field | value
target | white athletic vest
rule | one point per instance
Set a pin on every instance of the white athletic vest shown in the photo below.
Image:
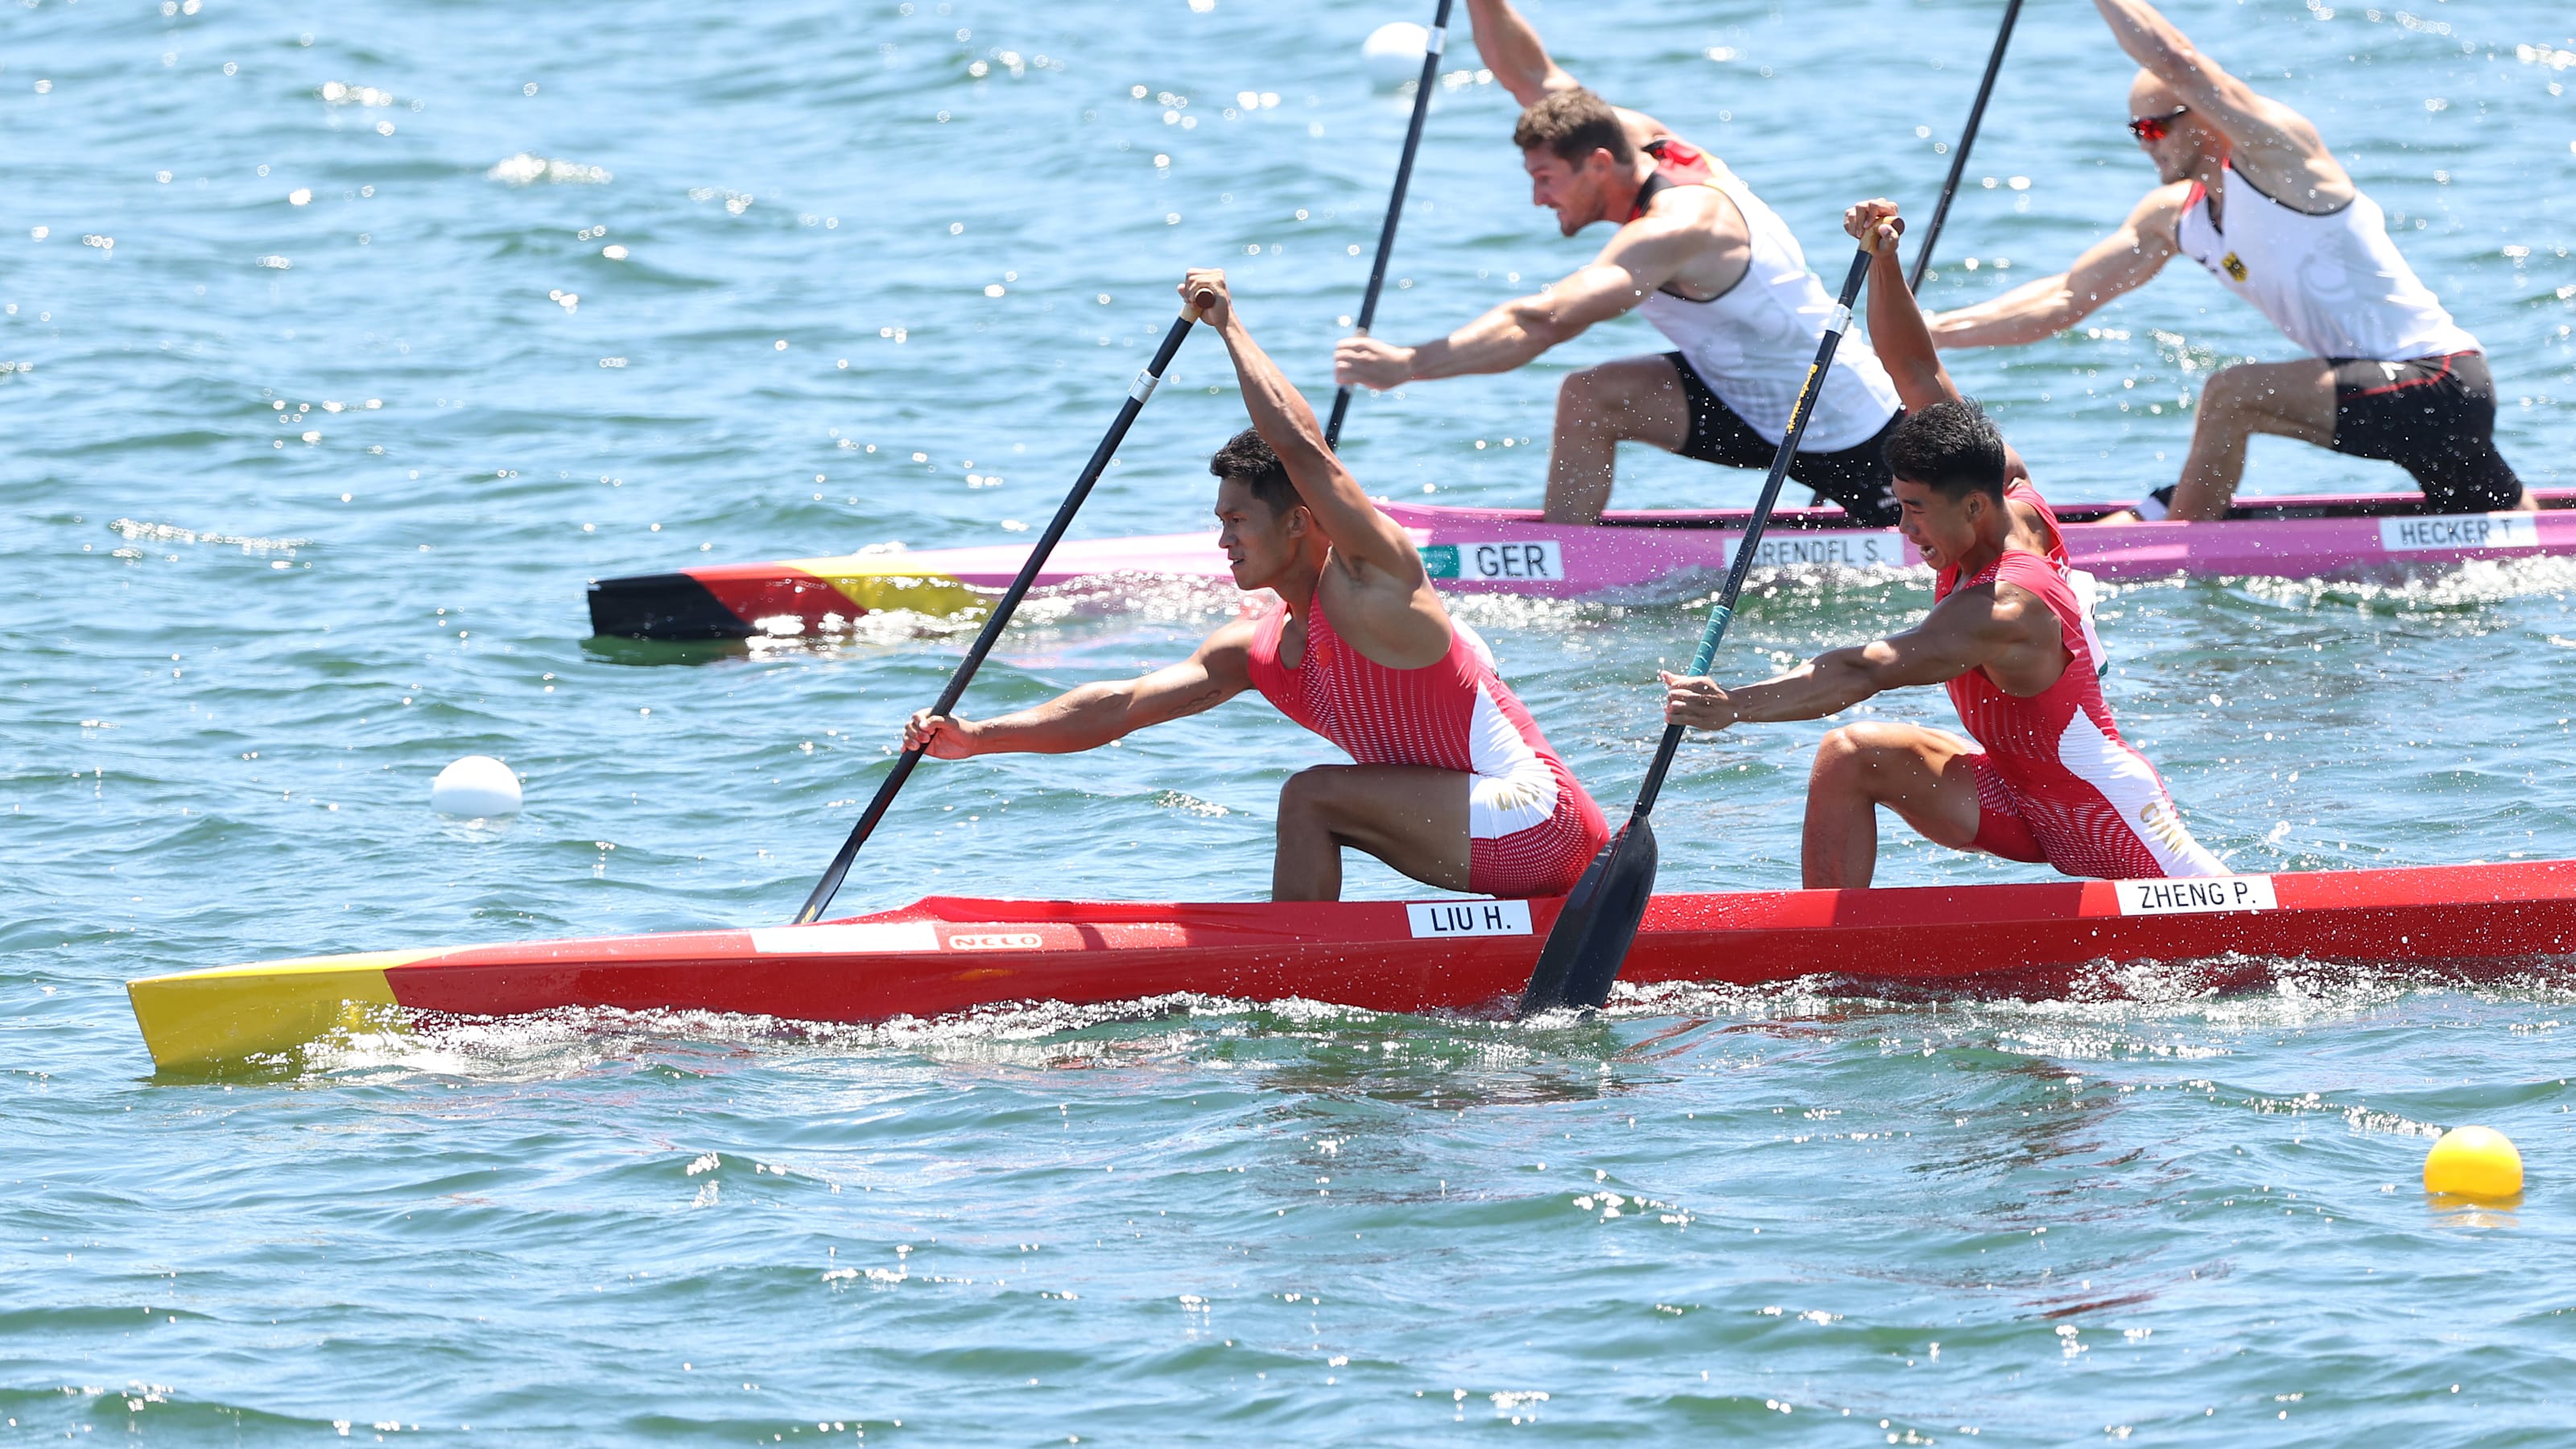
(2333, 284)
(1753, 345)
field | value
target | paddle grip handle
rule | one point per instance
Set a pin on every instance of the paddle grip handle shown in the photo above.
(1967, 139)
(1438, 41)
(1746, 547)
(1137, 393)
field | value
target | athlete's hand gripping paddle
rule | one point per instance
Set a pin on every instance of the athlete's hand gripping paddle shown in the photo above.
(1002, 610)
(1431, 49)
(1591, 936)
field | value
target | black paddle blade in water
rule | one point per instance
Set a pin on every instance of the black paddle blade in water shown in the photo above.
(1591, 936)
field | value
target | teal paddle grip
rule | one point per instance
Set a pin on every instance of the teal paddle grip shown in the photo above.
(1709, 637)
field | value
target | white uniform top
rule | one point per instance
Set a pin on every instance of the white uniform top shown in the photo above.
(1753, 344)
(2333, 284)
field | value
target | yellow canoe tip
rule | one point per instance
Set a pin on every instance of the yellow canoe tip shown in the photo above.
(205, 1019)
(883, 584)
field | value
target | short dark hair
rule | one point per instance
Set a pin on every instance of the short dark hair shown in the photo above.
(1247, 457)
(1950, 447)
(1574, 124)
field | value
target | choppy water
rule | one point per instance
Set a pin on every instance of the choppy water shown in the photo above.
(252, 611)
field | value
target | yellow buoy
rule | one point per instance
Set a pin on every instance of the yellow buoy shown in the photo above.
(2473, 1162)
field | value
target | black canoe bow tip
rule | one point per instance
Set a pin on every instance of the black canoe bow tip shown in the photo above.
(661, 606)
(1590, 939)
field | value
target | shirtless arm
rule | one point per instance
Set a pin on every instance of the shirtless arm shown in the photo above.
(2120, 262)
(2274, 146)
(1359, 533)
(1989, 624)
(1512, 50)
(1093, 715)
(1896, 330)
(1903, 343)
(1644, 256)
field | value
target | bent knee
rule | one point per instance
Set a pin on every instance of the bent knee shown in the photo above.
(2235, 389)
(1316, 788)
(1612, 386)
(1588, 391)
(1858, 745)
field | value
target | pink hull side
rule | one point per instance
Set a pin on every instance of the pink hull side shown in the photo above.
(1649, 552)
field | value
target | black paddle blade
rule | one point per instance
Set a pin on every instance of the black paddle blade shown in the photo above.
(1591, 936)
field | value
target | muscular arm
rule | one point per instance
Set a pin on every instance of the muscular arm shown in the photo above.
(1896, 329)
(1512, 50)
(1093, 715)
(1359, 533)
(2117, 263)
(2274, 146)
(1903, 343)
(1641, 258)
(1971, 628)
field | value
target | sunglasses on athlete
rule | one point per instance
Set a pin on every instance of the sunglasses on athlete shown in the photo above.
(2156, 128)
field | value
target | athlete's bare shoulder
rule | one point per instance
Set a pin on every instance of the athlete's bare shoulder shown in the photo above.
(2156, 221)
(1641, 127)
(1228, 651)
(2019, 616)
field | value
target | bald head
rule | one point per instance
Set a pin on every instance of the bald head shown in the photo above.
(2149, 96)
(2187, 144)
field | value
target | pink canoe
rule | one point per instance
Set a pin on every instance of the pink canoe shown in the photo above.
(1636, 556)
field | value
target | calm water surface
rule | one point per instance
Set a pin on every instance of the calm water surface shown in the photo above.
(305, 473)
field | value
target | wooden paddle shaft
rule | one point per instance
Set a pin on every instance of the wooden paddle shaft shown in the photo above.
(1437, 41)
(1143, 388)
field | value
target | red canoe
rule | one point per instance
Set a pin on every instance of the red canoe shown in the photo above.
(947, 954)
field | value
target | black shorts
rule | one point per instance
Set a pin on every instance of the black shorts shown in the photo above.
(1855, 477)
(2433, 417)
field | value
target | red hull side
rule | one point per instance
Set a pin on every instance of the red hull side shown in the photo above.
(948, 954)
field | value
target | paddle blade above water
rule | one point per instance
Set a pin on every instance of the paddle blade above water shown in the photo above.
(1592, 935)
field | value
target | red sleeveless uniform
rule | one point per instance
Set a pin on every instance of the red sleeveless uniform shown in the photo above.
(2055, 782)
(1531, 827)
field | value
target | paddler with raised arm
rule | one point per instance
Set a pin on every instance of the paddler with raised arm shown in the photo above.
(1914, 365)
(1453, 783)
(1698, 255)
(2044, 776)
(2249, 190)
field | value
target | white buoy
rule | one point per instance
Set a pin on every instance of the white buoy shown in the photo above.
(476, 785)
(1393, 53)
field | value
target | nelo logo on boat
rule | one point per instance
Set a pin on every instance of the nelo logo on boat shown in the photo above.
(1468, 918)
(2196, 896)
(997, 941)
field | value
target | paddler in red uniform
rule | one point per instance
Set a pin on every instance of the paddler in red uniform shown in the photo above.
(2251, 192)
(1453, 785)
(1896, 329)
(1698, 255)
(2046, 776)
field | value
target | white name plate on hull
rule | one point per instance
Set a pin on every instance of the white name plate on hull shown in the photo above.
(1843, 548)
(2200, 895)
(1468, 918)
(835, 939)
(2460, 530)
(1538, 559)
